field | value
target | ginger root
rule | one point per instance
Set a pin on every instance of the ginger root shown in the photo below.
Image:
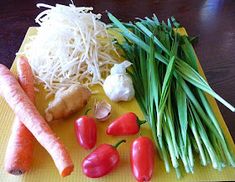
(67, 102)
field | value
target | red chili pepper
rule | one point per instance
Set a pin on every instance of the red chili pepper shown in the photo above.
(101, 161)
(85, 129)
(127, 124)
(142, 158)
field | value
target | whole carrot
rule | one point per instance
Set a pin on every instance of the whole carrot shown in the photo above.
(31, 118)
(19, 153)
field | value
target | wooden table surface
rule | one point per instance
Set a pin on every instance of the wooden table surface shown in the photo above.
(212, 20)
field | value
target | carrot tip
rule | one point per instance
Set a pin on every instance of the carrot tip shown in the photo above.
(16, 172)
(67, 171)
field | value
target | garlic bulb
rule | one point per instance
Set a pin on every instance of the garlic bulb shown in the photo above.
(118, 85)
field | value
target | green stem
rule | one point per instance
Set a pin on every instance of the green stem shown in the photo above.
(118, 143)
(198, 140)
(87, 111)
(190, 154)
(170, 147)
(178, 173)
(214, 159)
(165, 158)
(140, 122)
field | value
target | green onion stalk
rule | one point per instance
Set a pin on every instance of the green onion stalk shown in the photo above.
(171, 94)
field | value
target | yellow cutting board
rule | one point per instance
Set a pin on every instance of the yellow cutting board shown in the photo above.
(43, 168)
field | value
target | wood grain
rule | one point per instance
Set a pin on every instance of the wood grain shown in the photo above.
(212, 20)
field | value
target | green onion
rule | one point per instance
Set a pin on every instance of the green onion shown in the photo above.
(183, 69)
(171, 94)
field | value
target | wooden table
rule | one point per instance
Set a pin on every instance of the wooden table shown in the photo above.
(212, 20)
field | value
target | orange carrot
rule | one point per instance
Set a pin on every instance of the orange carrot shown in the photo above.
(19, 153)
(31, 118)
(25, 77)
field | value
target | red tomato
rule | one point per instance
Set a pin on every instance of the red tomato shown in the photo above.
(101, 161)
(142, 158)
(85, 129)
(127, 124)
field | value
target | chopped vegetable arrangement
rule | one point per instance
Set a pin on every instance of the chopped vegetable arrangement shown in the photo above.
(74, 50)
(171, 94)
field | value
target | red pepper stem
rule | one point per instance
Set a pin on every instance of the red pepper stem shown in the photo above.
(117, 144)
(87, 111)
(140, 122)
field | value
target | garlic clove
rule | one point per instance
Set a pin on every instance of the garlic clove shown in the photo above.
(102, 110)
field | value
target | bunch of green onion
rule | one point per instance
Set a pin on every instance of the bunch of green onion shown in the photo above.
(171, 94)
